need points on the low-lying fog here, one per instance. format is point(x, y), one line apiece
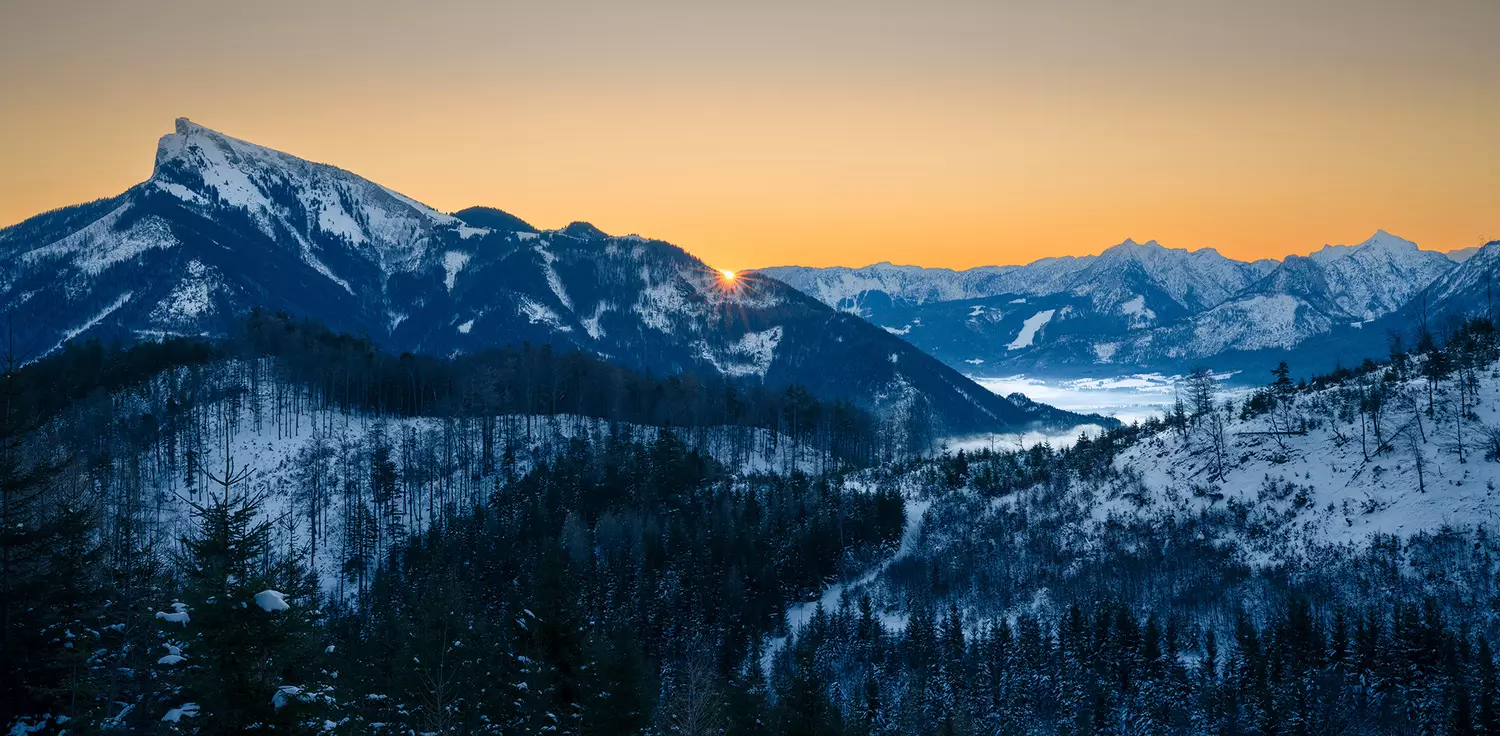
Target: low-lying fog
point(1128, 398)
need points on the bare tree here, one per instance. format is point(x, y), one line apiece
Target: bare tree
point(694, 700)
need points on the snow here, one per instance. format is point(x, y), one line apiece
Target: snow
point(173, 656)
point(658, 301)
point(751, 355)
point(591, 323)
point(554, 282)
point(1348, 497)
point(904, 330)
point(22, 727)
point(1379, 275)
point(99, 245)
point(286, 695)
point(1256, 322)
point(334, 220)
point(1029, 328)
point(799, 614)
point(235, 173)
point(1140, 315)
point(179, 614)
point(453, 262)
point(189, 300)
point(466, 326)
point(181, 192)
point(271, 600)
point(536, 312)
point(186, 710)
point(311, 259)
point(1103, 351)
point(96, 319)
point(277, 455)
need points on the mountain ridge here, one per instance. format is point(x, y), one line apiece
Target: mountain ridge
point(223, 225)
point(1134, 306)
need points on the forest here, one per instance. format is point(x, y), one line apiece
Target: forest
point(289, 530)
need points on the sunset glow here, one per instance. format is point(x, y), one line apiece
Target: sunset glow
point(806, 133)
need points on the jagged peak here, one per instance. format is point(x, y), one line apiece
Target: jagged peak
point(1384, 239)
point(174, 146)
point(237, 171)
point(1381, 240)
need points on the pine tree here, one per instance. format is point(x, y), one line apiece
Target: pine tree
point(249, 616)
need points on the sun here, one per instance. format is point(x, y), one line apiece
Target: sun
point(728, 274)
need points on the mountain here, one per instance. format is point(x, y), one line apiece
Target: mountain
point(1135, 306)
point(1462, 254)
point(1465, 291)
point(1379, 275)
point(1170, 279)
point(224, 225)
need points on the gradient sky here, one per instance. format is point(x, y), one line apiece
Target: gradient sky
point(820, 133)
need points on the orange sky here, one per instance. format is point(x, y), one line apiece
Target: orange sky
point(820, 133)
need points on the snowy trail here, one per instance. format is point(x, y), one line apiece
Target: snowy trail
point(799, 614)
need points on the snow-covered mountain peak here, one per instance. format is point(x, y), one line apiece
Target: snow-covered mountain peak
point(1384, 241)
point(241, 173)
point(1380, 241)
point(1129, 247)
point(327, 212)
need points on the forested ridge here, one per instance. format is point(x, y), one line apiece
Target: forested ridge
point(289, 531)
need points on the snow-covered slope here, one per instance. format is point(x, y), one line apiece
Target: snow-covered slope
point(1338, 483)
point(1379, 275)
point(224, 226)
point(1466, 290)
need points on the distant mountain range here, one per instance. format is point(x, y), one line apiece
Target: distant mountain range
point(223, 226)
point(1145, 307)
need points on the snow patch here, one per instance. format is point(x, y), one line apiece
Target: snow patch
point(186, 710)
point(1029, 328)
point(453, 262)
point(536, 313)
point(1140, 315)
point(591, 323)
point(751, 355)
point(96, 319)
point(554, 282)
point(271, 600)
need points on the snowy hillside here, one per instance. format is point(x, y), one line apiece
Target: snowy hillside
point(289, 445)
point(1398, 465)
point(1337, 483)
